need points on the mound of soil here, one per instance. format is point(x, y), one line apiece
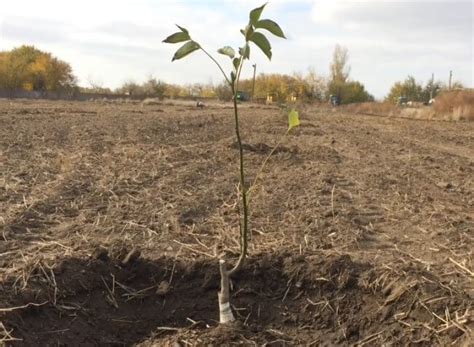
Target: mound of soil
point(116, 297)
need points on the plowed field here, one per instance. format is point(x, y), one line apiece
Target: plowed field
point(113, 216)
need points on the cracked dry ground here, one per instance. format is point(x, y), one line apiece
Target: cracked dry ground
point(112, 214)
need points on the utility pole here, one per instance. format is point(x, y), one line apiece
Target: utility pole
point(432, 86)
point(450, 78)
point(253, 83)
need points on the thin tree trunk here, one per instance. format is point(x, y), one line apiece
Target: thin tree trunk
point(225, 312)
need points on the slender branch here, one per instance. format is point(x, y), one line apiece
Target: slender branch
point(217, 63)
point(244, 225)
point(265, 162)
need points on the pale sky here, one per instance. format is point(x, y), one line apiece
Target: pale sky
point(111, 41)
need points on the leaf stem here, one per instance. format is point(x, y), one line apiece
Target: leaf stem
point(218, 65)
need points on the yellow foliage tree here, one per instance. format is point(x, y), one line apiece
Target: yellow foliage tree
point(28, 68)
point(281, 87)
point(3, 68)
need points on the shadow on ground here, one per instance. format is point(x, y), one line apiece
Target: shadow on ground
point(115, 297)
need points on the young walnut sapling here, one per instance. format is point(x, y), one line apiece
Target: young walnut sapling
point(253, 34)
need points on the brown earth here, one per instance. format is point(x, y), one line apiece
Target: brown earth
point(113, 216)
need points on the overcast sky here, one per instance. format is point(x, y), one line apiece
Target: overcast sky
point(111, 41)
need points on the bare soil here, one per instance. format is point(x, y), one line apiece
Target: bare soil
point(113, 216)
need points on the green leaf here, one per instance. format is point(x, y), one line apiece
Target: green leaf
point(236, 63)
point(228, 51)
point(245, 51)
point(186, 49)
point(184, 30)
point(248, 32)
point(271, 26)
point(261, 41)
point(293, 119)
point(177, 37)
point(256, 13)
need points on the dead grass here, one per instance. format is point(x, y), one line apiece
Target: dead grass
point(378, 108)
point(459, 104)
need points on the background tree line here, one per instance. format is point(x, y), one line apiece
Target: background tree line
point(416, 91)
point(309, 86)
point(30, 69)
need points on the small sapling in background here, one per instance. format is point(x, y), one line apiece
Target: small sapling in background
point(254, 34)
